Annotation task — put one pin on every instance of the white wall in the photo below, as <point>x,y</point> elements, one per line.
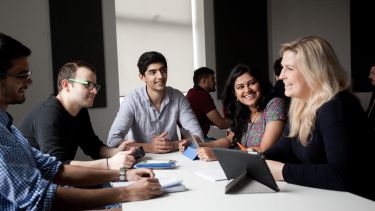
<point>148,25</point>
<point>28,22</point>
<point>330,19</point>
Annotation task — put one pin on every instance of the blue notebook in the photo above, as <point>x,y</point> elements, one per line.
<point>156,164</point>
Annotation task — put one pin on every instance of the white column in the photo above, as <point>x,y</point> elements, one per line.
<point>199,44</point>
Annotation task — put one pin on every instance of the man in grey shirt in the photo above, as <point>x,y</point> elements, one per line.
<point>149,115</point>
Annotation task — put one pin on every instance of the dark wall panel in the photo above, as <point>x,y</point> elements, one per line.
<point>77,33</point>
<point>362,43</point>
<point>240,36</point>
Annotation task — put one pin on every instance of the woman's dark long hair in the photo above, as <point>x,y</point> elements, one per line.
<point>235,110</point>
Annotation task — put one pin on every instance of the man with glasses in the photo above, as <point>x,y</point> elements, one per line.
<point>61,124</point>
<point>29,179</point>
<point>25,74</point>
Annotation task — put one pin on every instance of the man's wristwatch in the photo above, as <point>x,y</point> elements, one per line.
<point>122,174</point>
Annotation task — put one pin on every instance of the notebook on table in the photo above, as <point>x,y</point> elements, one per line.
<point>168,185</point>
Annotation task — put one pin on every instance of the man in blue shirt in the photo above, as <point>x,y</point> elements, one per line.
<point>149,115</point>
<point>29,179</point>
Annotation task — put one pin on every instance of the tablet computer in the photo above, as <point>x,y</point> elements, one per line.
<point>190,138</point>
<point>235,162</point>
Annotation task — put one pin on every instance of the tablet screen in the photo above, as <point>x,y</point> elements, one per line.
<point>235,162</point>
<point>190,138</point>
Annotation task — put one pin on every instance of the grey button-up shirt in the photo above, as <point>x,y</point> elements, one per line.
<point>139,120</point>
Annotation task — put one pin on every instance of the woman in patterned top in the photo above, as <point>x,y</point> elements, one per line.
<point>258,117</point>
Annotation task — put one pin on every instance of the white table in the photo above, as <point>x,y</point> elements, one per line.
<point>204,195</point>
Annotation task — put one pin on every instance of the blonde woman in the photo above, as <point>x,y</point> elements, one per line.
<point>328,138</point>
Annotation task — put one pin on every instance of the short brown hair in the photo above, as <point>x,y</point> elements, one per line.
<point>68,70</point>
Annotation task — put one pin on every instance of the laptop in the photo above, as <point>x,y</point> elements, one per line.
<point>247,171</point>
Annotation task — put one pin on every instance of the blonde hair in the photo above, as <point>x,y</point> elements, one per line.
<point>324,75</point>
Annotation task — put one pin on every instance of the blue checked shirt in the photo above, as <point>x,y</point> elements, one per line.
<point>25,173</point>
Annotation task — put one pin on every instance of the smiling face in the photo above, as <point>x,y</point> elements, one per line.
<point>155,77</point>
<point>79,93</point>
<point>247,90</point>
<point>12,88</point>
<point>294,82</point>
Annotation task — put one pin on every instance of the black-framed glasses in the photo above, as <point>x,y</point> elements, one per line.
<point>23,76</point>
<point>88,84</point>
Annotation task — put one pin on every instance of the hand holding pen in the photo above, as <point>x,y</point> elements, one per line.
<point>242,147</point>
<point>250,149</point>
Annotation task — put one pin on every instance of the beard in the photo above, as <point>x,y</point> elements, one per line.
<point>12,98</point>
<point>19,100</point>
<point>212,89</point>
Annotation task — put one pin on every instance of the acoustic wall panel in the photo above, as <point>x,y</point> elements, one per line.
<point>240,36</point>
<point>77,33</point>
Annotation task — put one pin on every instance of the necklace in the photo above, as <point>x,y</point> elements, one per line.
<point>255,119</point>
<point>245,138</point>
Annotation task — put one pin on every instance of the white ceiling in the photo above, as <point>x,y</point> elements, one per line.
<point>178,11</point>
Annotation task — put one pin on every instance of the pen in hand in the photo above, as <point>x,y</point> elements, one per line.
<point>242,147</point>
